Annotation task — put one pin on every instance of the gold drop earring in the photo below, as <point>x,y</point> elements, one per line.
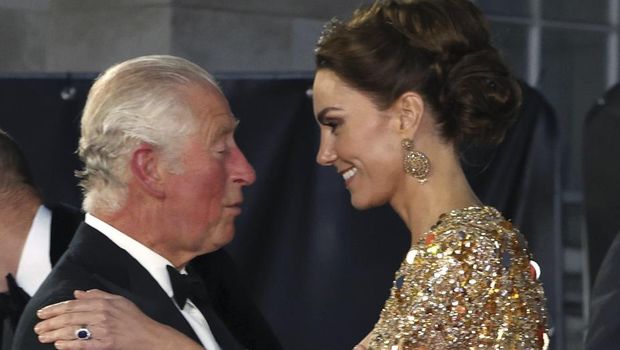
<point>415,162</point>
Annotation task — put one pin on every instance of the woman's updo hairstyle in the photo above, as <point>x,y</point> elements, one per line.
<point>438,48</point>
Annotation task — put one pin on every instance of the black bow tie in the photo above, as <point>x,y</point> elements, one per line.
<point>12,304</point>
<point>186,286</point>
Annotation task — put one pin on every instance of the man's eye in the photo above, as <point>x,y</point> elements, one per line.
<point>221,149</point>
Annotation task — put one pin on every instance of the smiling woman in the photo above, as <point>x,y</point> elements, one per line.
<point>356,139</point>
<point>398,88</point>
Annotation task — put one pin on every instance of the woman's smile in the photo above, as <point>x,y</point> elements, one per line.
<point>348,174</point>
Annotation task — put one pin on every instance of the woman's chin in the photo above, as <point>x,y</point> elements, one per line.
<point>364,203</point>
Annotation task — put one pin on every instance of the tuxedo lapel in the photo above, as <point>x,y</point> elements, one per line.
<point>120,273</point>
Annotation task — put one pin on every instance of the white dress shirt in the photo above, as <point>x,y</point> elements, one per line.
<point>34,262</point>
<point>155,264</point>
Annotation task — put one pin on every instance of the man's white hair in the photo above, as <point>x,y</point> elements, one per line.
<point>141,100</point>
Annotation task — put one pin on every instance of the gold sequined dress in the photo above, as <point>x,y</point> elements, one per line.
<point>467,284</point>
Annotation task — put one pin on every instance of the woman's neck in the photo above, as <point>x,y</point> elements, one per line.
<point>420,204</point>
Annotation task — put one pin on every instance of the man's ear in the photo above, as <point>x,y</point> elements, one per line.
<point>409,108</point>
<point>146,167</point>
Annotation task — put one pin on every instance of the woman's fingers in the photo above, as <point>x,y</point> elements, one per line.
<point>70,320</point>
<point>73,306</point>
<point>92,301</point>
<point>69,334</point>
<point>49,336</point>
<point>92,344</point>
<point>94,294</point>
<point>54,323</point>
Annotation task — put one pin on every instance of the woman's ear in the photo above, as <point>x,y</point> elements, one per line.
<point>410,111</point>
<point>146,166</point>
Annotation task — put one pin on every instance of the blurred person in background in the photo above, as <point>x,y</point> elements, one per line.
<point>33,236</point>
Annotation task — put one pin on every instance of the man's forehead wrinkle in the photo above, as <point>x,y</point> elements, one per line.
<point>226,123</point>
<point>217,126</point>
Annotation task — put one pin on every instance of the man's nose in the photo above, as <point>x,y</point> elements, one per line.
<point>243,173</point>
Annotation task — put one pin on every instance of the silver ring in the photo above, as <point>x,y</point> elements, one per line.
<point>83,333</point>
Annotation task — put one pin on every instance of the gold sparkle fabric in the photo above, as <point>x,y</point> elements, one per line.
<point>467,284</point>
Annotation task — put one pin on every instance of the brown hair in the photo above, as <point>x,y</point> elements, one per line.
<point>438,48</point>
<point>14,171</point>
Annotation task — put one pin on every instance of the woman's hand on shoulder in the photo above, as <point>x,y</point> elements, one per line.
<point>113,321</point>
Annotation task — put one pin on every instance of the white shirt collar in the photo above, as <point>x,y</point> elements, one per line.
<point>154,263</point>
<point>34,262</point>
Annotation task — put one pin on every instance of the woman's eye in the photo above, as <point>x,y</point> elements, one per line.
<point>332,124</point>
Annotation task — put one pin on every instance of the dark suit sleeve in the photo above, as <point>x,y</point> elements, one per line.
<point>233,304</point>
<point>604,330</point>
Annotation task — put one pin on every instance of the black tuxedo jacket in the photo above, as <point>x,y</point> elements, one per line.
<point>604,329</point>
<point>93,261</point>
<point>65,220</point>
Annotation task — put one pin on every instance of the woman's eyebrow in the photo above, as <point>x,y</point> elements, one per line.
<point>321,115</point>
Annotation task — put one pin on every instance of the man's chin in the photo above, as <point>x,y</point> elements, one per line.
<point>224,236</point>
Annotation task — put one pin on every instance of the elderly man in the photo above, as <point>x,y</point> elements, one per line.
<point>33,236</point>
<point>162,181</point>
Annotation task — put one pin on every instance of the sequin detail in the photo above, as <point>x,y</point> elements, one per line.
<point>466,284</point>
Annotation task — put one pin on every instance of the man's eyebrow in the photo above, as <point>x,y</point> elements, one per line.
<point>228,127</point>
<point>321,115</point>
<point>231,127</point>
